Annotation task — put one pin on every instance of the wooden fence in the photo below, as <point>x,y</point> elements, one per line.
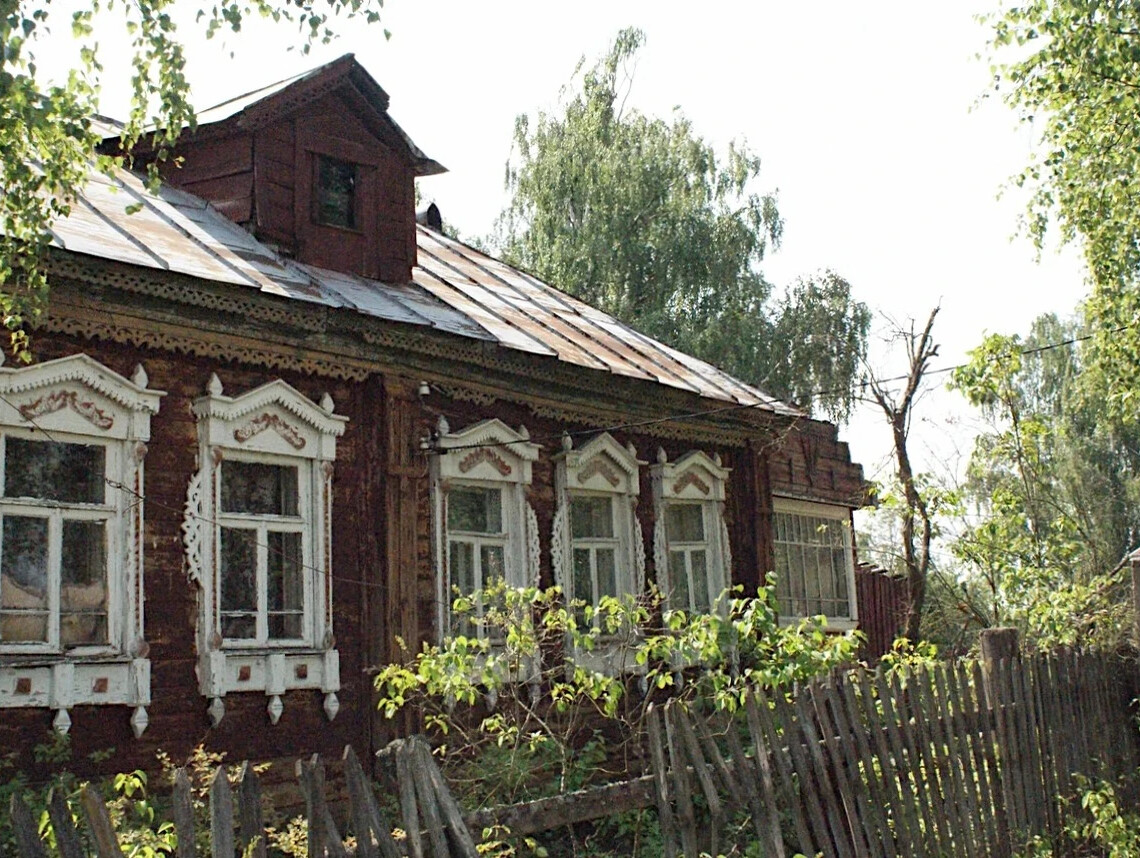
<point>949,760</point>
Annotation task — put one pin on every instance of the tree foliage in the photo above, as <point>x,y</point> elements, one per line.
<point>640,217</point>
<point>1075,74</point>
<point>1054,485</point>
<point>47,138</point>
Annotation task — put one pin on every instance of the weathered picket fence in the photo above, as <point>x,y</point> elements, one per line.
<point>954,759</point>
<point>957,759</point>
<point>429,815</point>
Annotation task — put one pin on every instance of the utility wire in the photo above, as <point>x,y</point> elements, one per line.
<point>432,445</point>
<point>246,533</point>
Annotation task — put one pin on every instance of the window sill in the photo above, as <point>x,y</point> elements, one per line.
<point>272,672</point>
<point>836,624</point>
<point>61,682</point>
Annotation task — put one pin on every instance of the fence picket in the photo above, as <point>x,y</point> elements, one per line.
<point>770,748</point>
<point>63,824</point>
<point>367,821</point>
<point>222,816</point>
<point>182,811</point>
<point>251,825</point>
<point>661,781</point>
<point>756,780</point>
<point>99,824</point>
<point>25,829</point>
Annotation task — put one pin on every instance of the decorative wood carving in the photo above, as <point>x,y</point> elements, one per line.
<point>266,421</point>
<point>61,399</point>
<point>598,465</point>
<point>691,479</point>
<point>475,457</point>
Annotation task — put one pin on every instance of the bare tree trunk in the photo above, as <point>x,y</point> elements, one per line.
<point>917,528</point>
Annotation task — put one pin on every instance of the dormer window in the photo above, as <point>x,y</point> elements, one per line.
<point>335,198</point>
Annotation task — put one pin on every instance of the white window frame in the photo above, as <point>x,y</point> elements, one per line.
<point>272,424</point>
<point>77,400</point>
<point>695,479</point>
<point>600,468</point>
<point>487,454</point>
<point>828,512</point>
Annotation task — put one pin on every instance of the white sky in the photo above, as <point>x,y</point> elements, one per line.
<point>865,115</point>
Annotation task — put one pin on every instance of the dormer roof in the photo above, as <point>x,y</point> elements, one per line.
<point>274,101</point>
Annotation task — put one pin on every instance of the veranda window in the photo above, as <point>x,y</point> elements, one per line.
<point>814,562</point>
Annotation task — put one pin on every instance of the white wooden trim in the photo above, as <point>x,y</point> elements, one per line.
<point>274,424</point>
<point>78,400</point>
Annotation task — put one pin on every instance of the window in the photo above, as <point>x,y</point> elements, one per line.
<point>335,198</point>
<point>476,548</point>
<point>691,549</point>
<point>262,553</point>
<point>597,545</point>
<point>72,440</point>
<point>594,547</point>
<point>814,561</point>
<point>485,531</point>
<point>258,534</point>
<point>53,544</point>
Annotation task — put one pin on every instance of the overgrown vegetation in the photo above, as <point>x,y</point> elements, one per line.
<point>547,697</point>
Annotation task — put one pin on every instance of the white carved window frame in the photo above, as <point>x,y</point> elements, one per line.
<point>77,399</point>
<point>829,513</point>
<point>487,454</point>
<point>274,424</point>
<point>693,479</point>
<point>601,467</point>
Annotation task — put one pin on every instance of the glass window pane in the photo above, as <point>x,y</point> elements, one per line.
<point>83,578</point>
<point>461,563</point>
<point>23,579</point>
<point>699,568</point>
<point>491,560</point>
<point>286,587</point>
<point>583,582</point>
<point>591,516</point>
<point>239,582</point>
<point>473,509</point>
<point>54,470</point>
<point>255,488</point>
<point>678,581</point>
<point>685,522</point>
<point>607,572</point>
<point>336,192</point>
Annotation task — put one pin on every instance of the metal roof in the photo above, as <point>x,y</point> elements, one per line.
<point>454,288</point>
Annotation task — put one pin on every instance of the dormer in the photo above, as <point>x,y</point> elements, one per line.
<point>314,166</point>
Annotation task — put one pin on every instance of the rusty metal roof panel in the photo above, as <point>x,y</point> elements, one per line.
<point>454,289</point>
<point>464,275</point>
<point>617,347</point>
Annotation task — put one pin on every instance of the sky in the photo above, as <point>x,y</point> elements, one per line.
<point>872,120</point>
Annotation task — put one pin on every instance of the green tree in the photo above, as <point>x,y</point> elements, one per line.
<point>47,139</point>
<point>1075,74</point>
<point>640,217</point>
<point>1053,484</point>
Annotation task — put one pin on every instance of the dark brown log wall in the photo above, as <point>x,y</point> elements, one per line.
<point>384,579</point>
<point>220,171</point>
<point>881,599</point>
<point>178,719</point>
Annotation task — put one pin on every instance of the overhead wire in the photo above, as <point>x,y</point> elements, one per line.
<point>139,498</point>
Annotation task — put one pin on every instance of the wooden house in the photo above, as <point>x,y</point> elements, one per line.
<point>273,423</point>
